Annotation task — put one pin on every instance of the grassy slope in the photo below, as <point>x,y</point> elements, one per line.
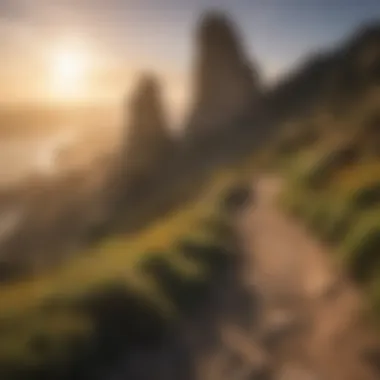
<point>41,319</point>
<point>338,196</point>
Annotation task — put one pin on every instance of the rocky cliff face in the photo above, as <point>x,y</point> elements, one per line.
<point>226,85</point>
<point>147,138</point>
<point>333,79</point>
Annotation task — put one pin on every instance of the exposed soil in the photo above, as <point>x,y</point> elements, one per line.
<point>313,320</point>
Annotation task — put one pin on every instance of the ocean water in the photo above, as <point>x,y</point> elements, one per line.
<point>22,156</point>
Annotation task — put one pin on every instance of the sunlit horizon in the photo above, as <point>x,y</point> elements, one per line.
<point>69,72</point>
<point>113,41</point>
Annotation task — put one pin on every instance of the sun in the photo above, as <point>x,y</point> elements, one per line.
<point>69,73</point>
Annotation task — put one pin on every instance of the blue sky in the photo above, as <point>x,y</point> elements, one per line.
<point>126,36</point>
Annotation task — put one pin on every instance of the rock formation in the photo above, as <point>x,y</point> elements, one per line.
<point>147,141</point>
<point>332,79</point>
<point>226,86</point>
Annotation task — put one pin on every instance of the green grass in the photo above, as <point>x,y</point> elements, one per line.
<point>333,186</point>
<point>44,320</point>
<point>361,247</point>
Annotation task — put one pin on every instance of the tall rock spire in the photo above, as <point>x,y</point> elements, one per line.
<point>147,138</point>
<point>225,85</point>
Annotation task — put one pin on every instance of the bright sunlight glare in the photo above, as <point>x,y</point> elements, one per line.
<point>69,72</point>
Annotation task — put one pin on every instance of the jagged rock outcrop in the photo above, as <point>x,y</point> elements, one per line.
<point>332,79</point>
<point>226,84</point>
<point>147,141</point>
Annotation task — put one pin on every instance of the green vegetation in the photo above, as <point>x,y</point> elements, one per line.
<point>129,289</point>
<point>126,289</point>
<point>334,186</point>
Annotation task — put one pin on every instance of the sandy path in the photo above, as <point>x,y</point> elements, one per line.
<point>303,294</point>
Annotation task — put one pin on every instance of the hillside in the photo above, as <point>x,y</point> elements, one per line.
<point>132,266</point>
<point>330,80</point>
<point>328,150</point>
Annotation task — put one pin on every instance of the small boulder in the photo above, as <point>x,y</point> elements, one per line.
<point>237,197</point>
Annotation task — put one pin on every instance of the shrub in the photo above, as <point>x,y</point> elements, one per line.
<point>361,247</point>
<point>366,196</point>
<point>339,216</point>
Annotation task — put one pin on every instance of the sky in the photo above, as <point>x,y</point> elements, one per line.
<point>102,45</point>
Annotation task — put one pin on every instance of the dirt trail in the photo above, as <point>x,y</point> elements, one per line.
<point>312,318</point>
<point>281,311</point>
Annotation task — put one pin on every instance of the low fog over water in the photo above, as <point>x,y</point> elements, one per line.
<point>21,156</point>
<point>72,144</point>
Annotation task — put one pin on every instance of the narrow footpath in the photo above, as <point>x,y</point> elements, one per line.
<point>312,319</point>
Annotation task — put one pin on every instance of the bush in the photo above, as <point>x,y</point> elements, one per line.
<point>339,216</point>
<point>361,248</point>
<point>366,196</point>
<point>327,163</point>
<point>236,198</point>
